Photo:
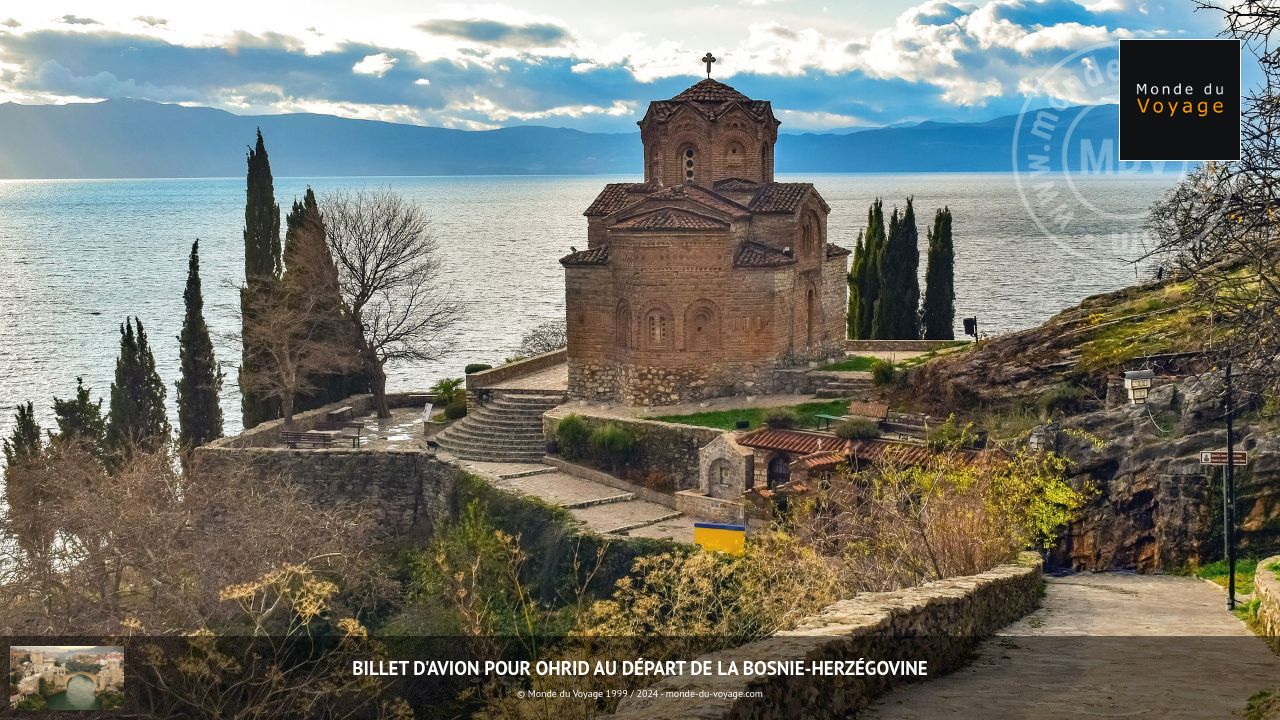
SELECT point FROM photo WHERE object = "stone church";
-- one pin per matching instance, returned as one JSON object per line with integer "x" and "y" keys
{"x": 707, "y": 277}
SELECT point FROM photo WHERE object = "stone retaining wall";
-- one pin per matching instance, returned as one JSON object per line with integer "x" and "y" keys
{"x": 517, "y": 369}
{"x": 899, "y": 345}
{"x": 604, "y": 478}
{"x": 1266, "y": 588}
{"x": 409, "y": 490}
{"x": 267, "y": 434}
{"x": 669, "y": 450}
{"x": 940, "y": 622}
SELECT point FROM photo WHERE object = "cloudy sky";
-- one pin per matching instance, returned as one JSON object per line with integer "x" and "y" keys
{"x": 590, "y": 65}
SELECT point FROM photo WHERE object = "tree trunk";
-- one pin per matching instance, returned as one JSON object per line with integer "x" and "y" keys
{"x": 378, "y": 384}
{"x": 286, "y": 408}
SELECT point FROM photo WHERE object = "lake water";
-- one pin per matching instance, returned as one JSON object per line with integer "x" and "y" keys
{"x": 76, "y": 257}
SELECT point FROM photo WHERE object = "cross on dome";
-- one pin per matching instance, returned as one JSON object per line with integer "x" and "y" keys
{"x": 708, "y": 59}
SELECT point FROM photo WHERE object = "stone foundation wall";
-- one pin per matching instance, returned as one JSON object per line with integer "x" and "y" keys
{"x": 940, "y": 622}
{"x": 1266, "y": 588}
{"x": 408, "y": 490}
{"x": 669, "y": 449}
{"x": 704, "y": 507}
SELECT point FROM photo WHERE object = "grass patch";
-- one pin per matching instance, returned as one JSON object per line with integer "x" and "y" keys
{"x": 806, "y": 415}
{"x": 856, "y": 363}
{"x": 1217, "y": 573}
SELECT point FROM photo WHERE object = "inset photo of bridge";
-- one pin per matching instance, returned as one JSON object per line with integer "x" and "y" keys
{"x": 66, "y": 677}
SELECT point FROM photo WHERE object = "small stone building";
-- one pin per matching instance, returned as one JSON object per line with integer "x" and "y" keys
{"x": 707, "y": 276}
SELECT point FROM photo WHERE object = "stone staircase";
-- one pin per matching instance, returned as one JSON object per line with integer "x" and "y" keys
{"x": 506, "y": 429}
{"x": 844, "y": 384}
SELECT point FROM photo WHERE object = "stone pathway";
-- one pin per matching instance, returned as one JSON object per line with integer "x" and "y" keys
{"x": 604, "y": 509}
{"x": 1104, "y": 645}
{"x": 552, "y": 379}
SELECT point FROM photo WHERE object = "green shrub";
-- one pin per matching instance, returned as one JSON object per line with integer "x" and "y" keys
{"x": 572, "y": 435}
{"x": 883, "y": 372}
{"x": 611, "y": 444}
{"x": 447, "y": 390}
{"x": 1065, "y": 399}
{"x": 951, "y": 435}
{"x": 475, "y": 368}
{"x": 781, "y": 418}
{"x": 457, "y": 408}
{"x": 857, "y": 429}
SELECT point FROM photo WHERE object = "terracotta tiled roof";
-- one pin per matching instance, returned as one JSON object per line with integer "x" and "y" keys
{"x": 711, "y": 98}
{"x": 671, "y": 219}
{"x": 805, "y": 443}
{"x": 699, "y": 194}
{"x": 779, "y": 197}
{"x": 835, "y": 251}
{"x": 825, "y": 460}
{"x": 594, "y": 256}
{"x": 709, "y": 90}
{"x": 736, "y": 185}
{"x": 759, "y": 255}
{"x": 796, "y": 442}
{"x": 617, "y": 196}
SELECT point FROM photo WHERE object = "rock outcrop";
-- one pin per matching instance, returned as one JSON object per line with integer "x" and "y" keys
{"x": 1157, "y": 507}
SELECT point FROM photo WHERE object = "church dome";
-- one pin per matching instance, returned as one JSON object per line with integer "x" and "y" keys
{"x": 708, "y": 90}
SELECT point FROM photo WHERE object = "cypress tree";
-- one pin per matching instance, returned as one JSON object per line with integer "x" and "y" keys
{"x": 939, "y": 311}
{"x": 897, "y": 306}
{"x": 199, "y": 415}
{"x": 866, "y": 271}
{"x": 309, "y": 269}
{"x": 851, "y": 317}
{"x": 137, "y": 417}
{"x": 25, "y": 443}
{"x": 24, "y": 492}
{"x": 261, "y": 266}
{"x": 80, "y": 420}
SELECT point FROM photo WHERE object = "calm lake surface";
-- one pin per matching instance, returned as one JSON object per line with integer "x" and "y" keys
{"x": 76, "y": 257}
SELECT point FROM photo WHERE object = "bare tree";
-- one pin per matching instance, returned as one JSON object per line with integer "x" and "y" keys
{"x": 390, "y": 276}
{"x": 153, "y": 548}
{"x": 1220, "y": 227}
{"x": 547, "y": 337}
{"x": 297, "y": 342}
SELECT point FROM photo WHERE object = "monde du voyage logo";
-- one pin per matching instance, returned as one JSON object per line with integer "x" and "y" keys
{"x": 1179, "y": 100}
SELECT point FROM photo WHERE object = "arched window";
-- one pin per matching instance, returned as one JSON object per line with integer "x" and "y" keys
{"x": 735, "y": 155}
{"x": 623, "y": 327}
{"x": 689, "y": 158}
{"x": 810, "y": 233}
{"x": 779, "y": 471}
{"x": 701, "y": 327}
{"x": 657, "y": 328}
{"x": 810, "y": 314}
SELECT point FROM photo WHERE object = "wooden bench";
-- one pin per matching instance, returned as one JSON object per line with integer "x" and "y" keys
{"x": 342, "y": 413}
{"x": 293, "y": 438}
{"x": 824, "y": 421}
{"x": 343, "y": 427}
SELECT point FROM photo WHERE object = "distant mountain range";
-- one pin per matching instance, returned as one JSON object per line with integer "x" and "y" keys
{"x": 137, "y": 138}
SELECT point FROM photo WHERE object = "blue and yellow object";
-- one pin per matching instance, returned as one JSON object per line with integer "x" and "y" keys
{"x": 731, "y": 539}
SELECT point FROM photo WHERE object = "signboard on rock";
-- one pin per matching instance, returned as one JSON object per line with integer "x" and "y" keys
{"x": 1219, "y": 457}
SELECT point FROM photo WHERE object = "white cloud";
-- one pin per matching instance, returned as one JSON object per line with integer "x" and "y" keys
{"x": 375, "y": 65}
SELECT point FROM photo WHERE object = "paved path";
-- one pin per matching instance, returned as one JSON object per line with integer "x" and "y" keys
{"x": 554, "y": 378}
{"x": 1107, "y": 645}
{"x": 604, "y": 509}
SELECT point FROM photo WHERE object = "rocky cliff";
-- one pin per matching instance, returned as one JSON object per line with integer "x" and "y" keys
{"x": 1156, "y": 507}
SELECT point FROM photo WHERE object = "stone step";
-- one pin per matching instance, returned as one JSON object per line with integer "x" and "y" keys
{"x": 623, "y": 516}
{"x": 488, "y": 455}
{"x": 489, "y": 432}
{"x": 490, "y": 417}
{"x": 480, "y": 443}
{"x": 545, "y": 470}
{"x": 530, "y": 400}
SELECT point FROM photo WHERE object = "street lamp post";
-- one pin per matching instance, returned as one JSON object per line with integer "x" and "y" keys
{"x": 1229, "y": 495}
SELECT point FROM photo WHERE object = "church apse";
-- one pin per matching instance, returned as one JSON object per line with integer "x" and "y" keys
{"x": 707, "y": 276}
